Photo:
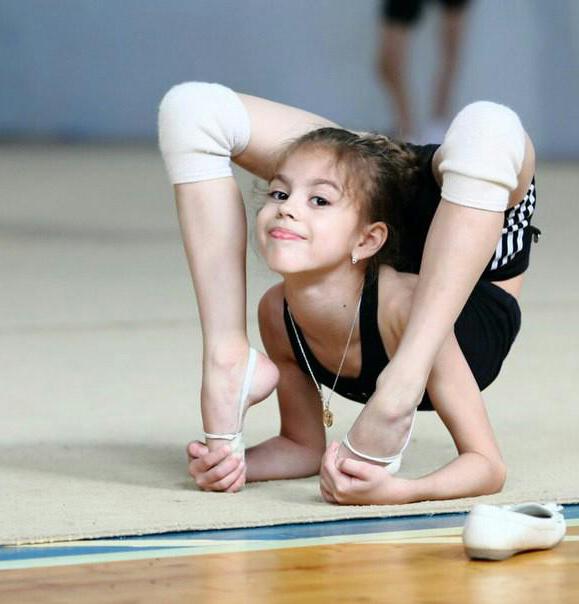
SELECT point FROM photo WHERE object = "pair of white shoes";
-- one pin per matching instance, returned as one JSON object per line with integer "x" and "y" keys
{"x": 498, "y": 532}
{"x": 236, "y": 438}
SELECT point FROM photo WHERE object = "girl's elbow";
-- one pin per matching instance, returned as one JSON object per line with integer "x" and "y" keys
{"x": 503, "y": 476}
{"x": 499, "y": 478}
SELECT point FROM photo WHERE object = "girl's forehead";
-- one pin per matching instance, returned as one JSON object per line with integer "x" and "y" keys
{"x": 305, "y": 163}
{"x": 311, "y": 154}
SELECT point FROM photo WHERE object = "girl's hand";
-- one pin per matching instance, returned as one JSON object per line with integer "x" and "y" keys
{"x": 216, "y": 470}
{"x": 352, "y": 482}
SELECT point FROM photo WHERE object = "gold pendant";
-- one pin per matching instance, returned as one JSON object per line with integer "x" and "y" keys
{"x": 328, "y": 418}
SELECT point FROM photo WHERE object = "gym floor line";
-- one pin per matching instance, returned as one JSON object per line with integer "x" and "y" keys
{"x": 425, "y": 529}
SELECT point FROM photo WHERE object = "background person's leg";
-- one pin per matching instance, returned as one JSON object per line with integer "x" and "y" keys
{"x": 392, "y": 67}
{"x": 452, "y": 26}
{"x": 398, "y": 18}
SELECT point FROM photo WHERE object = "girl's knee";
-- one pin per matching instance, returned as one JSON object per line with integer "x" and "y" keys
{"x": 201, "y": 125}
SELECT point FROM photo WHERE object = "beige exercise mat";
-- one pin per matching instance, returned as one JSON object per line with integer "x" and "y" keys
{"x": 100, "y": 357}
{"x": 103, "y": 455}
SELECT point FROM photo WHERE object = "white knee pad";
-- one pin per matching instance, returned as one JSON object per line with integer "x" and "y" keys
{"x": 201, "y": 126}
{"x": 482, "y": 155}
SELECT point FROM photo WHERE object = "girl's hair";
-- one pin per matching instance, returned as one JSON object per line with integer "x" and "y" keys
{"x": 379, "y": 174}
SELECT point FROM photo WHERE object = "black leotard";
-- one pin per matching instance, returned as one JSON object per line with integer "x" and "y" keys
{"x": 485, "y": 330}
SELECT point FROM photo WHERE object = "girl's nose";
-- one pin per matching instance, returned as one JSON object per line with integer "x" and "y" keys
{"x": 284, "y": 212}
{"x": 285, "y": 209}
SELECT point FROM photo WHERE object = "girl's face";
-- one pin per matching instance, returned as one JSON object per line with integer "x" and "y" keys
{"x": 309, "y": 223}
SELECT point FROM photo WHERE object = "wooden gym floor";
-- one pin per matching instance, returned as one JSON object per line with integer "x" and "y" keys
{"x": 413, "y": 558}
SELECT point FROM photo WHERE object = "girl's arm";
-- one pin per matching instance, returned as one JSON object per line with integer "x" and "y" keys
{"x": 300, "y": 446}
{"x": 479, "y": 469}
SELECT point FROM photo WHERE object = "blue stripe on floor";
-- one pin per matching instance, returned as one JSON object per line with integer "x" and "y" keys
{"x": 9, "y": 555}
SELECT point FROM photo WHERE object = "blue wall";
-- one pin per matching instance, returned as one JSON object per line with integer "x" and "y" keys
{"x": 79, "y": 69}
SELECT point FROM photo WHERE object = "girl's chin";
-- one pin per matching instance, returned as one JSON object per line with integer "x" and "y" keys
{"x": 288, "y": 271}
{"x": 283, "y": 270}
{"x": 286, "y": 264}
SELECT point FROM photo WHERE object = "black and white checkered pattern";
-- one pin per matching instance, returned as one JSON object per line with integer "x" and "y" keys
{"x": 516, "y": 219}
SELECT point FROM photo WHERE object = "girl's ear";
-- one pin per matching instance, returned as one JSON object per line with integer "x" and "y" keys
{"x": 374, "y": 237}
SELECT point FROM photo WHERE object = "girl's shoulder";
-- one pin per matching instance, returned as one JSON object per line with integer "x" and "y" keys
{"x": 272, "y": 326}
{"x": 395, "y": 292}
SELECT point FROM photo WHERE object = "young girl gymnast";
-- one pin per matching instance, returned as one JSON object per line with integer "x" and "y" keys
{"x": 484, "y": 167}
{"x": 344, "y": 222}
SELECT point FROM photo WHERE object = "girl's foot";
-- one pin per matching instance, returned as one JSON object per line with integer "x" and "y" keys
{"x": 384, "y": 425}
{"x": 223, "y": 378}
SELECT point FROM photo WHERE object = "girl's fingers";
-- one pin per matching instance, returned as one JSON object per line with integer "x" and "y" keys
{"x": 196, "y": 468}
{"x": 231, "y": 478}
{"x": 238, "y": 484}
{"x": 335, "y": 478}
{"x": 326, "y": 475}
{"x": 224, "y": 485}
{"x": 324, "y": 482}
{"x": 201, "y": 465}
{"x": 213, "y": 478}
{"x": 330, "y": 468}
{"x": 327, "y": 495}
{"x": 213, "y": 458}
{"x": 327, "y": 488}
{"x": 356, "y": 469}
{"x": 195, "y": 449}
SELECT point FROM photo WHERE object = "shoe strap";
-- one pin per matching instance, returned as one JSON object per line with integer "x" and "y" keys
{"x": 246, "y": 384}
{"x": 388, "y": 460}
{"x": 237, "y": 444}
{"x": 391, "y": 459}
{"x": 221, "y": 436}
{"x": 243, "y": 396}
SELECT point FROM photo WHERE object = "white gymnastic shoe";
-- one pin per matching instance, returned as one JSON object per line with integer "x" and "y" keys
{"x": 237, "y": 445}
{"x": 391, "y": 464}
{"x": 498, "y": 532}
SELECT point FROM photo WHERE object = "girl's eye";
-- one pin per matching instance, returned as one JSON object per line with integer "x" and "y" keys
{"x": 274, "y": 195}
{"x": 326, "y": 203}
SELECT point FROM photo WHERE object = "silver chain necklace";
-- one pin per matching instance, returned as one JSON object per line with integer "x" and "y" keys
{"x": 327, "y": 415}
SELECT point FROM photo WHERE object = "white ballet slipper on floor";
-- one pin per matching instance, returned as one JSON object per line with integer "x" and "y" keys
{"x": 498, "y": 532}
{"x": 236, "y": 438}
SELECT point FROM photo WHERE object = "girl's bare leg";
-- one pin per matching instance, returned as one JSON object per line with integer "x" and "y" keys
{"x": 459, "y": 244}
{"x": 212, "y": 220}
{"x": 272, "y": 126}
{"x": 214, "y": 230}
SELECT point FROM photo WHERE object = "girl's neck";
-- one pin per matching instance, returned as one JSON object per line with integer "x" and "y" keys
{"x": 324, "y": 306}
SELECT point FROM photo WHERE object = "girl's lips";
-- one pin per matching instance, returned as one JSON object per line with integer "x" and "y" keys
{"x": 278, "y": 233}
